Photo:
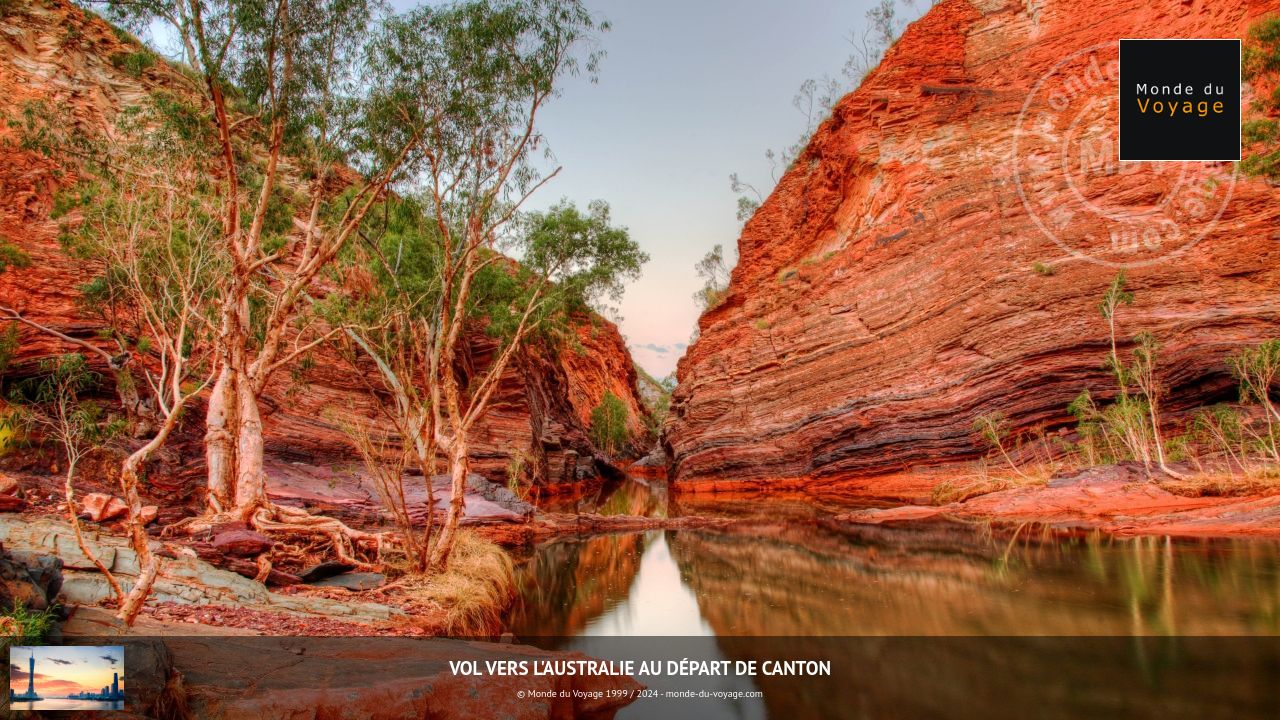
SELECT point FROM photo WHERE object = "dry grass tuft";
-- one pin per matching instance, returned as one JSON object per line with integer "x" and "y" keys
{"x": 1260, "y": 480}
{"x": 984, "y": 482}
{"x": 472, "y": 594}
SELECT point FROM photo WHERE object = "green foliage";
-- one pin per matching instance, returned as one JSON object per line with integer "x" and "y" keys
{"x": 1262, "y": 57}
{"x": 135, "y": 63}
{"x": 1260, "y": 130}
{"x": 993, "y": 427}
{"x": 1115, "y": 296}
{"x": 66, "y": 374}
{"x": 571, "y": 260}
{"x": 609, "y": 423}
{"x": 585, "y": 257}
{"x": 8, "y": 346}
{"x": 714, "y": 272}
{"x": 1262, "y": 49}
{"x": 55, "y": 399}
{"x": 184, "y": 121}
{"x": 12, "y": 256}
{"x": 1044, "y": 269}
{"x": 1221, "y": 428}
{"x": 1257, "y": 369}
{"x": 21, "y": 624}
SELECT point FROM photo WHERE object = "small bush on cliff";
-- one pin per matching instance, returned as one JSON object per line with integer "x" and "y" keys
{"x": 12, "y": 256}
{"x": 994, "y": 429}
{"x": 133, "y": 64}
{"x": 609, "y": 424}
{"x": 1258, "y": 369}
{"x": 1128, "y": 428}
{"x": 714, "y": 272}
{"x": 1262, "y": 58}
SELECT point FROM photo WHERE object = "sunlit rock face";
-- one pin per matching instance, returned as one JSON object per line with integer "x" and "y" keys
{"x": 53, "y": 52}
{"x": 924, "y": 261}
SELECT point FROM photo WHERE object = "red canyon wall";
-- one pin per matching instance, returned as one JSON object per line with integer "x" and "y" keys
{"x": 52, "y": 51}
{"x": 921, "y": 263}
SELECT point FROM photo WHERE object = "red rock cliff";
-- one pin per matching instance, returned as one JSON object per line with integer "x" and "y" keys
{"x": 55, "y": 53}
{"x": 924, "y": 262}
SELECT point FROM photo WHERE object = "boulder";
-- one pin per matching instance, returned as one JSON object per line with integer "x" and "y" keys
{"x": 101, "y": 507}
{"x": 149, "y": 514}
{"x": 354, "y": 581}
{"x": 8, "y": 485}
{"x": 242, "y": 543}
{"x": 11, "y": 503}
{"x": 29, "y": 579}
{"x": 316, "y": 573}
{"x": 499, "y": 495}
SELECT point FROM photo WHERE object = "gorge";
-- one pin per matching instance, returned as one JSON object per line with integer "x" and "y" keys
{"x": 975, "y": 409}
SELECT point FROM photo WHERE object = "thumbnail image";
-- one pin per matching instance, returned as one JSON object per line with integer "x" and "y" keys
{"x": 46, "y": 677}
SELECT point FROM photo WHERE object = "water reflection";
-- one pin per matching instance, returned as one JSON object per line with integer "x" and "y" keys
{"x": 628, "y": 496}
{"x": 789, "y": 574}
{"x": 1007, "y": 615}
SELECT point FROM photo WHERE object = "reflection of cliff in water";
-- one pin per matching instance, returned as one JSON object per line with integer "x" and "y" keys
{"x": 568, "y": 583}
{"x": 625, "y": 496}
{"x": 955, "y": 580}
{"x": 812, "y": 584}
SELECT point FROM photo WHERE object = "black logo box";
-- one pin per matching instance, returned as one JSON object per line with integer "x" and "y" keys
{"x": 1188, "y": 65}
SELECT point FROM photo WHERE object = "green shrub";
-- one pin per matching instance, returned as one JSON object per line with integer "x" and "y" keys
{"x": 26, "y": 626}
{"x": 609, "y": 423}
{"x": 12, "y": 256}
{"x": 1044, "y": 269}
{"x": 133, "y": 64}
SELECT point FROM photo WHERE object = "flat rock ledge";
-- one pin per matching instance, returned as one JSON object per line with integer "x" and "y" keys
{"x": 182, "y": 579}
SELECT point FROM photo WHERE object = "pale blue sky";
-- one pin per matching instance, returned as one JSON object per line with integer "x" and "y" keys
{"x": 688, "y": 93}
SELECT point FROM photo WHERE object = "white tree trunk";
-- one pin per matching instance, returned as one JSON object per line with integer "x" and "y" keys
{"x": 459, "y": 468}
{"x": 220, "y": 442}
{"x": 251, "y": 479}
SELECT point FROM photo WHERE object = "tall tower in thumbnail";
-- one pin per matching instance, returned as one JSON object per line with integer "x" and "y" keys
{"x": 115, "y": 684}
{"x": 31, "y": 675}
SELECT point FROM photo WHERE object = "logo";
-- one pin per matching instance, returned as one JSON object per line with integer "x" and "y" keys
{"x": 1078, "y": 192}
{"x": 1180, "y": 100}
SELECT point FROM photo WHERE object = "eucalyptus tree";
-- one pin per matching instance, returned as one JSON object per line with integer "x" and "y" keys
{"x": 152, "y": 238}
{"x": 283, "y": 84}
{"x": 477, "y": 75}
{"x": 442, "y": 100}
{"x": 144, "y": 227}
{"x": 55, "y": 402}
{"x": 569, "y": 260}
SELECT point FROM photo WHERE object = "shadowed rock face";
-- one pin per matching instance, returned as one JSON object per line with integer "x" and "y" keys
{"x": 887, "y": 291}
{"x": 52, "y": 52}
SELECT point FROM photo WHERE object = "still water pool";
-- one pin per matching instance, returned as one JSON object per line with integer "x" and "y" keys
{"x": 915, "y": 617}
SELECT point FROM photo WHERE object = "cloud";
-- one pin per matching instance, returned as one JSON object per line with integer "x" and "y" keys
{"x": 681, "y": 346}
{"x": 60, "y": 661}
{"x": 109, "y": 659}
{"x": 654, "y": 347}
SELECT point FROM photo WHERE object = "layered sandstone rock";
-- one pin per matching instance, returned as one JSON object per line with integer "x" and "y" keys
{"x": 54, "y": 53}
{"x": 924, "y": 262}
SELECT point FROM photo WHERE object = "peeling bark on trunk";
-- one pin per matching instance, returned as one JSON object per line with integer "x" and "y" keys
{"x": 220, "y": 442}
{"x": 251, "y": 488}
{"x": 459, "y": 468}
